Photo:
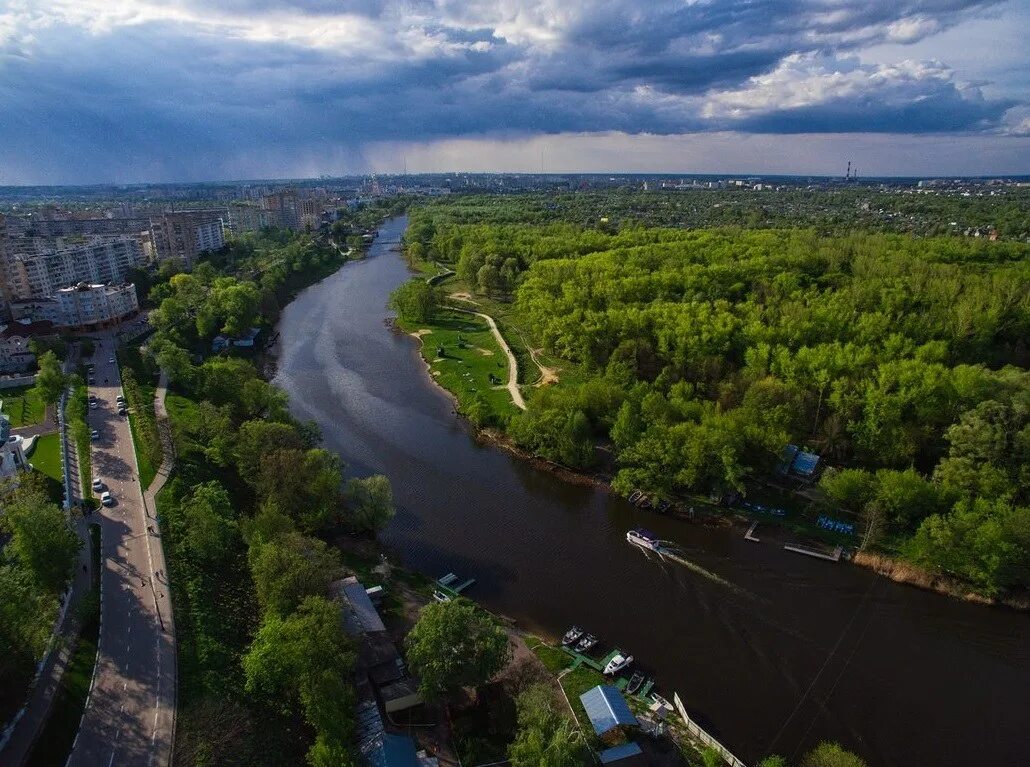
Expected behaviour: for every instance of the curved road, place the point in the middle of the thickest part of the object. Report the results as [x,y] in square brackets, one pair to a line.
[129,717]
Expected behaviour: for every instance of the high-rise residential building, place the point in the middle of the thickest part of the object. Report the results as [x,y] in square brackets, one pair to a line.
[283,208]
[36,268]
[185,234]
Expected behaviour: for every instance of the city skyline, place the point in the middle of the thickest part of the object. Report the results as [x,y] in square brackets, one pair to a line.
[187,91]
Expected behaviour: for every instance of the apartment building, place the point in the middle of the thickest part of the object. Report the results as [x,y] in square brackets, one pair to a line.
[185,234]
[36,268]
[84,306]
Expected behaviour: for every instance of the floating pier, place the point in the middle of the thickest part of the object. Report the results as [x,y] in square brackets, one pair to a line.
[798,548]
[449,584]
[750,534]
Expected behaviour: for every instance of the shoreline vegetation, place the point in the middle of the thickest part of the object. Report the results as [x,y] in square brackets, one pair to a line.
[900,517]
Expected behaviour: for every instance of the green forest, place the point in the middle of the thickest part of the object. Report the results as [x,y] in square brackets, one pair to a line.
[698,355]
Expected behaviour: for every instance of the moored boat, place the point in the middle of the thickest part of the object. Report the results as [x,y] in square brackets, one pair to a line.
[635,682]
[572,635]
[635,496]
[586,643]
[618,663]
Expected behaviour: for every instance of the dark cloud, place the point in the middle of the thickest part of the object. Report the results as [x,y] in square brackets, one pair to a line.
[179,96]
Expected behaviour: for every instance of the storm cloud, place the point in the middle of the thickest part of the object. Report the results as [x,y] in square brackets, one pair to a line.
[187,89]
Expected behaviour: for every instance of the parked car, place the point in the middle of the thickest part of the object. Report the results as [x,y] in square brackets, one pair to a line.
[93,404]
[106,498]
[98,484]
[94,434]
[111,360]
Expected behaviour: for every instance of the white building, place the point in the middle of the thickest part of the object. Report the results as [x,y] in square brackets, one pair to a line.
[12,451]
[83,306]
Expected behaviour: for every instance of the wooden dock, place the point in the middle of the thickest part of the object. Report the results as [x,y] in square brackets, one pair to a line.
[449,585]
[833,556]
[750,534]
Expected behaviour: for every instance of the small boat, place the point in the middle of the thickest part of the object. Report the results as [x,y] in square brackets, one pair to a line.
[635,496]
[644,503]
[572,635]
[635,682]
[586,643]
[643,538]
[618,663]
[660,701]
[662,507]
[439,596]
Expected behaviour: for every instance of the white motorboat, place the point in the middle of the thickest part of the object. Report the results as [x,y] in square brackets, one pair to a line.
[643,538]
[617,664]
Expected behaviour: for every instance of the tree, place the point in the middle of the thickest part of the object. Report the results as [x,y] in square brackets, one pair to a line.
[455,644]
[303,483]
[831,755]
[546,736]
[50,380]
[304,658]
[41,538]
[290,567]
[176,363]
[369,502]
[257,438]
[415,301]
[211,530]
[773,761]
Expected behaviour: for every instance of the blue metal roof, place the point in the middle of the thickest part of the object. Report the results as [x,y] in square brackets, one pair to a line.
[617,753]
[606,708]
[805,463]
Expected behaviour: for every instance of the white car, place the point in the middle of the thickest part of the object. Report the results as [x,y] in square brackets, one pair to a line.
[106,498]
[98,484]
[93,404]
[94,434]
[111,360]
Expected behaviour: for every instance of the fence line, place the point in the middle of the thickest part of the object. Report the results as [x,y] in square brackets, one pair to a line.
[699,732]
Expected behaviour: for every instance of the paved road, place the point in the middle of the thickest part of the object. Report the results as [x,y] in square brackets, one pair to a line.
[129,718]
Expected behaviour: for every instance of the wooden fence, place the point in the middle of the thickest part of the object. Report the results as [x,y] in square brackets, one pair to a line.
[699,732]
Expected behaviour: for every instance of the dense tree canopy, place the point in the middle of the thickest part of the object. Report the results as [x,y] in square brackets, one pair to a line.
[699,354]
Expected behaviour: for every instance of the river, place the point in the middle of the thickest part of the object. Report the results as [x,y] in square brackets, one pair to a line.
[771,650]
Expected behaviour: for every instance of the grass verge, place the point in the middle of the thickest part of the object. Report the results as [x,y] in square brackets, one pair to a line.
[46,456]
[139,388]
[23,405]
[78,430]
[55,741]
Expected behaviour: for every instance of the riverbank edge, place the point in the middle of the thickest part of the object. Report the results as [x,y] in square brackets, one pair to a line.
[892,568]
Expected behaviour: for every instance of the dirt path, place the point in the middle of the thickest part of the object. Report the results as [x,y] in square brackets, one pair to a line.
[513,365]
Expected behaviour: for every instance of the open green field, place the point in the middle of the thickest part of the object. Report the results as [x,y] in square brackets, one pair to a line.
[23,406]
[470,356]
[46,456]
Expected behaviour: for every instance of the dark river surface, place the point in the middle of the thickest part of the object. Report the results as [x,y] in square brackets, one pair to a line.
[779,653]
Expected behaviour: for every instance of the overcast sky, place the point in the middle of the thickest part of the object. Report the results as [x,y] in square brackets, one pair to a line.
[170,90]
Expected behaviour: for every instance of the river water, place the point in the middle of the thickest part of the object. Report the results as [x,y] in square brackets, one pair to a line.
[771,650]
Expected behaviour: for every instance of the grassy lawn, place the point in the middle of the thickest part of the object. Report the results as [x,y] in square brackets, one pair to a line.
[470,356]
[553,657]
[46,456]
[55,741]
[23,406]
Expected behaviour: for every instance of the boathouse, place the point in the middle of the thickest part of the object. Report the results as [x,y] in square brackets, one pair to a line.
[607,709]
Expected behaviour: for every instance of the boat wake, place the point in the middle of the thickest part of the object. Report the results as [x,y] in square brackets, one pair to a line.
[670,551]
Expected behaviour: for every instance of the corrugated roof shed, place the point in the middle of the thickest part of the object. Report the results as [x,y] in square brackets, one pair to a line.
[607,708]
[362,617]
[805,463]
[618,753]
